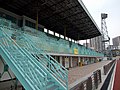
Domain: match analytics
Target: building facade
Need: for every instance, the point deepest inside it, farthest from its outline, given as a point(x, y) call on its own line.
point(96, 43)
point(116, 41)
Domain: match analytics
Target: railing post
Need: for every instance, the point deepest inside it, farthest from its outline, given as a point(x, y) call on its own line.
point(81, 86)
point(89, 83)
point(99, 72)
point(95, 80)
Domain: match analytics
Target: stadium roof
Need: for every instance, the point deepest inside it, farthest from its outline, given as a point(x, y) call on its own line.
point(57, 15)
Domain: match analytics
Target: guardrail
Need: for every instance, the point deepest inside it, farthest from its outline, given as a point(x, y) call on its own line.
point(91, 83)
point(107, 82)
point(107, 67)
point(25, 69)
point(56, 69)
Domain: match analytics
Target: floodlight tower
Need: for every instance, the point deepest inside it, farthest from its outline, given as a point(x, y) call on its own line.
point(104, 38)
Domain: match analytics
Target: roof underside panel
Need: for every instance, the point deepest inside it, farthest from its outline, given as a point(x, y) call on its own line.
point(57, 15)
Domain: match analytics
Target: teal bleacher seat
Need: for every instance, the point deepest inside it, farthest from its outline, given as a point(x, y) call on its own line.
point(49, 42)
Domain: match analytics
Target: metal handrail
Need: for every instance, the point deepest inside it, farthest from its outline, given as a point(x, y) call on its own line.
point(9, 43)
point(61, 73)
point(53, 64)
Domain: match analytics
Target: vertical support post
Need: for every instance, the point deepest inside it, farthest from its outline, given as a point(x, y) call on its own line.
point(89, 83)
point(86, 43)
point(95, 79)
point(83, 60)
point(54, 33)
point(90, 42)
point(102, 36)
point(47, 31)
point(78, 37)
point(61, 60)
point(59, 35)
point(23, 22)
point(79, 61)
point(64, 32)
point(16, 83)
point(71, 61)
point(37, 21)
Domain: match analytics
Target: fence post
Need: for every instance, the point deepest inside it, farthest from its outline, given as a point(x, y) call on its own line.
point(89, 83)
point(95, 80)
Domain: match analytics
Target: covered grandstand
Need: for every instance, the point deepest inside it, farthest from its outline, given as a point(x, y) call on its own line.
point(38, 59)
point(57, 15)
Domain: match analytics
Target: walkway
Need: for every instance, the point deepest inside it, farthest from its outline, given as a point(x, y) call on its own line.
point(116, 85)
point(78, 74)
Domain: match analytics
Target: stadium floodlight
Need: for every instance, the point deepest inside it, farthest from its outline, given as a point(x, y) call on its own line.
point(104, 16)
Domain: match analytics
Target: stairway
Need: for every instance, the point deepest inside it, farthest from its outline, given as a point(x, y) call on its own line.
point(34, 74)
point(55, 69)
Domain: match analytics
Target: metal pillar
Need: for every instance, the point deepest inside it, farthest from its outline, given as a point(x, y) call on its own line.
point(65, 32)
point(37, 20)
point(104, 37)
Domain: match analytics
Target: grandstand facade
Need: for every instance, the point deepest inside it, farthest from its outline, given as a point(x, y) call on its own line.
point(35, 57)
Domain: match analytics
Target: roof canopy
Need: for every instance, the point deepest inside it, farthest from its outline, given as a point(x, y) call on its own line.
point(57, 15)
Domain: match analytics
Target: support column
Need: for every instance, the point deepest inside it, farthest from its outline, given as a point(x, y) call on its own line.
point(79, 61)
point(23, 22)
point(86, 44)
point(67, 62)
point(83, 60)
point(93, 60)
point(71, 61)
point(37, 21)
point(65, 32)
point(54, 33)
point(78, 37)
point(61, 60)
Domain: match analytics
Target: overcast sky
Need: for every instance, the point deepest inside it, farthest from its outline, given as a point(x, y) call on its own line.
point(112, 8)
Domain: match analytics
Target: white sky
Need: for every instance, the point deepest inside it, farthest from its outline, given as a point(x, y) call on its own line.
point(110, 7)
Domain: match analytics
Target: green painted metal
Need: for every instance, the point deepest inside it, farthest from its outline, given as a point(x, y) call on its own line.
point(60, 74)
point(56, 71)
point(25, 55)
point(6, 68)
point(26, 69)
point(50, 43)
point(53, 44)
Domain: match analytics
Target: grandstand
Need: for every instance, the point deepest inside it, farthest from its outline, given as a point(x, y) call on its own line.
point(34, 59)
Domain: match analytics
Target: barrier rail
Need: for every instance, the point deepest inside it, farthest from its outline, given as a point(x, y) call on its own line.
point(106, 83)
point(59, 72)
point(56, 69)
point(90, 83)
point(108, 66)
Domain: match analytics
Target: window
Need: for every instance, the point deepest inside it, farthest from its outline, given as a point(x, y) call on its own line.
point(45, 30)
point(56, 34)
point(51, 32)
point(61, 36)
